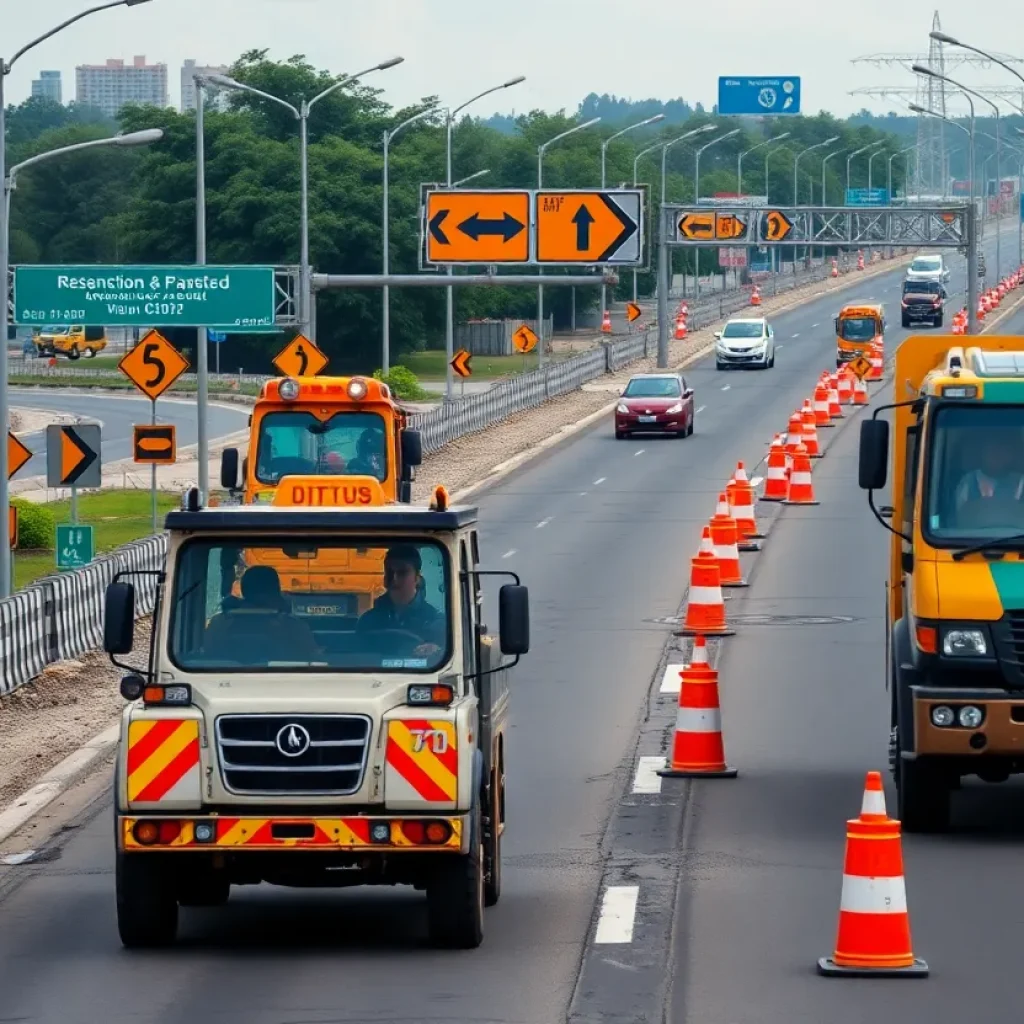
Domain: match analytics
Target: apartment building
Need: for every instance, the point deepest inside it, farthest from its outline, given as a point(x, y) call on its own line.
point(216, 98)
point(111, 85)
point(48, 86)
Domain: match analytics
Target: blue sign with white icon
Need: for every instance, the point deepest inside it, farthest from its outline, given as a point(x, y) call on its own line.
point(216, 336)
point(867, 197)
point(758, 96)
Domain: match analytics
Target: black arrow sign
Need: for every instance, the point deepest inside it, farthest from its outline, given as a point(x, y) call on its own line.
point(435, 227)
point(88, 456)
point(629, 228)
point(583, 219)
point(475, 227)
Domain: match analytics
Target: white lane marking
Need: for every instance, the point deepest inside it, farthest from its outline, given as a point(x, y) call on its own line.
point(600, 480)
point(797, 335)
point(777, 347)
point(647, 779)
point(618, 911)
point(815, 325)
point(670, 681)
point(14, 859)
point(755, 481)
point(543, 523)
point(509, 553)
point(700, 410)
point(639, 452)
point(725, 387)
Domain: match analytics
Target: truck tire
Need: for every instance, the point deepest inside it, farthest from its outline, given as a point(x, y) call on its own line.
point(923, 797)
point(73, 352)
point(455, 895)
point(147, 910)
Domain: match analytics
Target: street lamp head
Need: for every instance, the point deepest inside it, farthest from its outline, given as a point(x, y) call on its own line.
point(143, 138)
point(917, 110)
point(941, 37)
point(777, 138)
point(384, 65)
point(920, 69)
point(224, 81)
point(652, 120)
point(514, 81)
point(587, 124)
point(134, 3)
point(707, 128)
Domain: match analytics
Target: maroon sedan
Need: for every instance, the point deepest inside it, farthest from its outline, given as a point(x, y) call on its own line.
point(655, 403)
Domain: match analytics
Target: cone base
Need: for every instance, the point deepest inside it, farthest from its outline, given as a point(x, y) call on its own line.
point(825, 426)
point(683, 631)
point(788, 502)
point(735, 584)
point(762, 498)
point(751, 543)
point(830, 969)
point(681, 773)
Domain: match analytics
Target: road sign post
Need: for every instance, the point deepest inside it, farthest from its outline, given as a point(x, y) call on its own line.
point(235, 297)
point(745, 96)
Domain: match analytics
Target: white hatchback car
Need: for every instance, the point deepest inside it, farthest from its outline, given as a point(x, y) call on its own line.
point(745, 343)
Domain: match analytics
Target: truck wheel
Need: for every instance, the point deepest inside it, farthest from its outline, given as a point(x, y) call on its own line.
point(923, 797)
point(90, 353)
point(455, 895)
point(204, 889)
point(147, 911)
point(73, 352)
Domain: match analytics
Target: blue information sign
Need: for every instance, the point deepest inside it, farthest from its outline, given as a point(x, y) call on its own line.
point(867, 197)
point(216, 336)
point(739, 94)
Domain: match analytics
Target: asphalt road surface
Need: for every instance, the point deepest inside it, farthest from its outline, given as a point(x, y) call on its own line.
point(118, 416)
point(602, 531)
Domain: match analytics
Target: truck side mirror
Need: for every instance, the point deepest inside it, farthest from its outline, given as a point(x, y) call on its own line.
point(514, 619)
point(119, 618)
point(874, 454)
point(412, 448)
point(229, 468)
point(836, 324)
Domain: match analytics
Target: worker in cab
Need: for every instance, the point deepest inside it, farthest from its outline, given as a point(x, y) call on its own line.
point(370, 458)
point(403, 606)
point(996, 486)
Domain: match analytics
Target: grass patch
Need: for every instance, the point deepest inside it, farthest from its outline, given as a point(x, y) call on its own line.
point(117, 517)
point(431, 364)
point(121, 383)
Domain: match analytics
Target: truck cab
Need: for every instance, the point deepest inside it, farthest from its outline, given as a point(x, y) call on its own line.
point(324, 426)
point(271, 740)
point(858, 326)
point(955, 595)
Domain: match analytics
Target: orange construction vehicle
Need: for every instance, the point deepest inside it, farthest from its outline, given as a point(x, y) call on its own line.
point(324, 426)
point(858, 326)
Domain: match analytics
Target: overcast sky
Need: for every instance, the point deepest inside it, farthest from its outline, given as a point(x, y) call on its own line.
point(566, 48)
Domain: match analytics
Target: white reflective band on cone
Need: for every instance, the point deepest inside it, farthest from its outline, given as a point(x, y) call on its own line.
point(706, 595)
point(874, 802)
point(873, 895)
point(700, 655)
point(727, 551)
point(699, 720)
point(800, 478)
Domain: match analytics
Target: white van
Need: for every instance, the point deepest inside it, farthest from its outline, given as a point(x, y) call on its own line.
point(928, 268)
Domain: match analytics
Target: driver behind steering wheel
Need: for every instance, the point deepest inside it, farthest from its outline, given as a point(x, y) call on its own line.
point(403, 606)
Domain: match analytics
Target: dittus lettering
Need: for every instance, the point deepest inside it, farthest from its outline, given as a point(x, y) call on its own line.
point(329, 495)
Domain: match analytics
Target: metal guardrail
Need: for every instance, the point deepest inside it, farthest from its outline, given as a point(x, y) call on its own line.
point(61, 617)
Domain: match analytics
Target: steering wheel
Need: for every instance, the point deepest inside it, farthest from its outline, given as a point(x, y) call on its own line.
point(407, 640)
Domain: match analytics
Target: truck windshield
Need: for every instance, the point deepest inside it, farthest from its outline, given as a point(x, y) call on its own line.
point(54, 329)
point(976, 478)
point(286, 604)
point(297, 443)
point(858, 328)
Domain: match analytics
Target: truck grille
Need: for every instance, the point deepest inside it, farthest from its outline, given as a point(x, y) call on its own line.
point(1008, 634)
point(299, 755)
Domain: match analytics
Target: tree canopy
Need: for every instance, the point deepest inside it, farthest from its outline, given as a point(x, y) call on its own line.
point(138, 205)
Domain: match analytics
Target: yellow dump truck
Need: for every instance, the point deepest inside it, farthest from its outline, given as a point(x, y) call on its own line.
point(265, 740)
point(955, 594)
point(74, 341)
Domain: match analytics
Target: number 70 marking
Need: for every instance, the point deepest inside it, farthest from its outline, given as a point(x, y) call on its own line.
point(434, 740)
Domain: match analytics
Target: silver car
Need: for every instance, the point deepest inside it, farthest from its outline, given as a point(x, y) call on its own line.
point(928, 268)
point(745, 343)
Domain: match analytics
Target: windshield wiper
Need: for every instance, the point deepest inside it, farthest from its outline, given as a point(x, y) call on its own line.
point(989, 545)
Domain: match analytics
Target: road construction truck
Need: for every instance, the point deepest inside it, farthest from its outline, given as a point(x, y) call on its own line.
point(858, 326)
point(955, 593)
point(324, 426)
point(264, 742)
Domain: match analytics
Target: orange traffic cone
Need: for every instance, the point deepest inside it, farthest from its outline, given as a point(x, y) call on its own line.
point(877, 360)
point(776, 480)
point(606, 323)
point(741, 506)
point(873, 938)
point(680, 326)
point(755, 296)
point(835, 267)
point(698, 749)
point(835, 410)
point(705, 605)
point(860, 259)
point(801, 487)
point(810, 433)
point(821, 416)
point(844, 386)
point(795, 435)
point(860, 392)
point(725, 541)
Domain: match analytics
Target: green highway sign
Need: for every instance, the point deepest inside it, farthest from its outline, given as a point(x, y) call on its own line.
point(74, 546)
point(145, 296)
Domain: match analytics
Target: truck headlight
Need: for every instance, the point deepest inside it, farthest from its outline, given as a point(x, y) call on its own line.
point(942, 716)
point(672, 410)
point(967, 643)
point(971, 717)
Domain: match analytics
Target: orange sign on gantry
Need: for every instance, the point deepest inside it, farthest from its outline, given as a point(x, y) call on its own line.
point(594, 228)
point(479, 227)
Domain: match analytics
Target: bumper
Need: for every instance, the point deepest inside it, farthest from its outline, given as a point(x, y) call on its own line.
point(758, 358)
point(1001, 733)
point(651, 424)
point(244, 835)
point(847, 355)
point(925, 314)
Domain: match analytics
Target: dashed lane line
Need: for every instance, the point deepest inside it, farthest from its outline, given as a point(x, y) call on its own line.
point(647, 780)
point(618, 912)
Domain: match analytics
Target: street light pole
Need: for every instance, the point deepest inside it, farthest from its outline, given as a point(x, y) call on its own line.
point(5, 418)
point(740, 156)
point(604, 180)
point(301, 114)
point(636, 161)
point(449, 292)
point(386, 233)
point(857, 152)
point(696, 195)
point(541, 150)
point(202, 336)
point(871, 160)
point(824, 164)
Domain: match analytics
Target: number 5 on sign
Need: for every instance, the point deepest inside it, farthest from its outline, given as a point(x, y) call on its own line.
point(153, 365)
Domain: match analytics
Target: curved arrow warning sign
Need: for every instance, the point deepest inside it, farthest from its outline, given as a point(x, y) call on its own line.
point(481, 227)
point(301, 358)
point(777, 226)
